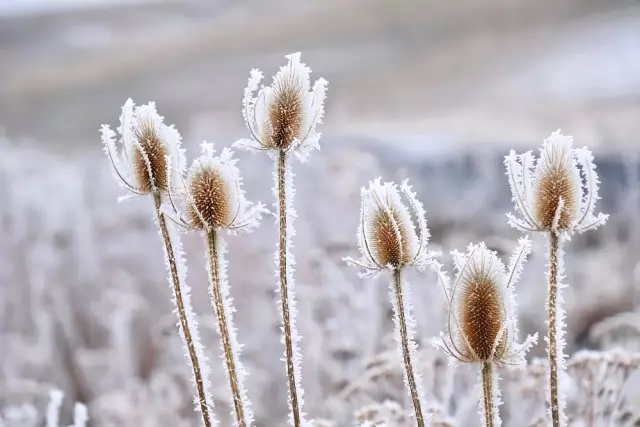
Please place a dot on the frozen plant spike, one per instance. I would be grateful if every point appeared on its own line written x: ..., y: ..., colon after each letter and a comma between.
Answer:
x: 555, y: 195
x: 390, y: 239
x: 148, y: 160
x: 215, y: 202
x: 282, y: 120
x: 482, y: 325
x: 284, y: 115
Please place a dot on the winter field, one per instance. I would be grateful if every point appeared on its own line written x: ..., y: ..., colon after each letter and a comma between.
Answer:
x: 436, y: 92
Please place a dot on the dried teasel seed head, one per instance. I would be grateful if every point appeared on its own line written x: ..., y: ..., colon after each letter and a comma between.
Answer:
x: 482, y: 324
x: 151, y: 158
x: 387, y: 236
x: 284, y: 115
x: 215, y: 199
x: 557, y: 192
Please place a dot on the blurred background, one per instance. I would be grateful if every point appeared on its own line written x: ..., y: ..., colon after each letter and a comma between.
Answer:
x: 437, y: 92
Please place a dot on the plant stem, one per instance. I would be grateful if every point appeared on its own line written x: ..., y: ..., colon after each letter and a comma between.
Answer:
x: 284, y: 292
x: 487, y: 392
x: 223, y: 327
x: 406, y: 353
x: 182, y: 315
x: 552, y: 327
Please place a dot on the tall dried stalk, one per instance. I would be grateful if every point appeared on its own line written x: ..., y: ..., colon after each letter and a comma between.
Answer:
x: 182, y: 315
x: 554, y: 243
x: 224, y: 323
x: 284, y: 290
x: 488, y: 393
x: 399, y: 308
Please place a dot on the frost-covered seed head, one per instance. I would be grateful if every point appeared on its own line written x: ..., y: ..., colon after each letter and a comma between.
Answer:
x: 387, y: 236
x: 215, y: 199
x: 151, y: 157
x: 482, y: 324
x: 556, y: 192
x: 284, y: 115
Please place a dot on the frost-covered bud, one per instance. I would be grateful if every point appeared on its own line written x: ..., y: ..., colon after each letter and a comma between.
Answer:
x: 387, y: 235
x: 558, y: 192
x: 482, y: 324
x: 151, y: 157
x: 283, y: 116
x: 214, y: 198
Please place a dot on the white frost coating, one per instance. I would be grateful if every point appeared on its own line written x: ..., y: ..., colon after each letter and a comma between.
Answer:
x: 132, y: 120
x: 80, y: 415
x: 291, y: 215
x: 561, y: 316
x: 53, y: 408
x: 192, y: 320
x: 413, y: 347
x: 255, y: 109
x: 385, y: 199
x: 236, y: 348
x: 557, y: 153
x: 496, y: 399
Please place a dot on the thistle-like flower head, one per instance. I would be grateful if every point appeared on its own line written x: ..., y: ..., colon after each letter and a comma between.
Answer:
x: 482, y: 324
x: 150, y: 156
x: 283, y: 116
x: 388, y: 238
x: 558, y: 191
x: 213, y: 195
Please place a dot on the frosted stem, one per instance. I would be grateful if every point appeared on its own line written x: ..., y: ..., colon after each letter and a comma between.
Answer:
x: 552, y: 328
x: 487, y: 393
x: 404, y: 342
x: 284, y: 296
x: 224, y: 324
x: 182, y: 315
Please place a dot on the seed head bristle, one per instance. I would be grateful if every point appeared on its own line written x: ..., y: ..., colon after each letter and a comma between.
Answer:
x: 212, y: 199
x: 285, y: 112
x: 149, y: 159
x: 389, y: 238
x: 557, y: 181
x: 482, y: 317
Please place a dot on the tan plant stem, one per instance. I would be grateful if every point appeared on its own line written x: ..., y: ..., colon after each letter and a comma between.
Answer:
x: 284, y: 295
x: 404, y: 339
x: 552, y: 328
x: 219, y: 308
x: 487, y: 392
x: 184, y: 323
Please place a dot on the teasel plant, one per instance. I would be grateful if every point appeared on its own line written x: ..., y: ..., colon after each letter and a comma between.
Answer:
x: 556, y: 195
x: 393, y: 236
x: 146, y: 160
x: 282, y: 120
x: 481, y: 323
x: 215, y: 203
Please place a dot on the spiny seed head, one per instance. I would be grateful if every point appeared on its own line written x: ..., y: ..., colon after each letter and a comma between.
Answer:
x: 388, y: 237
x: 215, y: 199
x: 556, y: 192
x: 482, y: 323
x: 151, y: 157
x: 283, y: 116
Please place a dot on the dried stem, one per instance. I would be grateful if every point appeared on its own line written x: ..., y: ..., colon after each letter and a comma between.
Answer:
x: 487, y: 392
x: 552, y: 328
x: 184, y: 323
x: 284, y: 291
x: 404, y: 340
x: 223, y: 327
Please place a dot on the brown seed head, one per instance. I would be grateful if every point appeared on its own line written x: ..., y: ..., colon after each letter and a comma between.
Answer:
x: 388, y: 238
x: 482, y: 318
x: 149, y: 163
x: 212, y: 202
x: 285, y: 112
